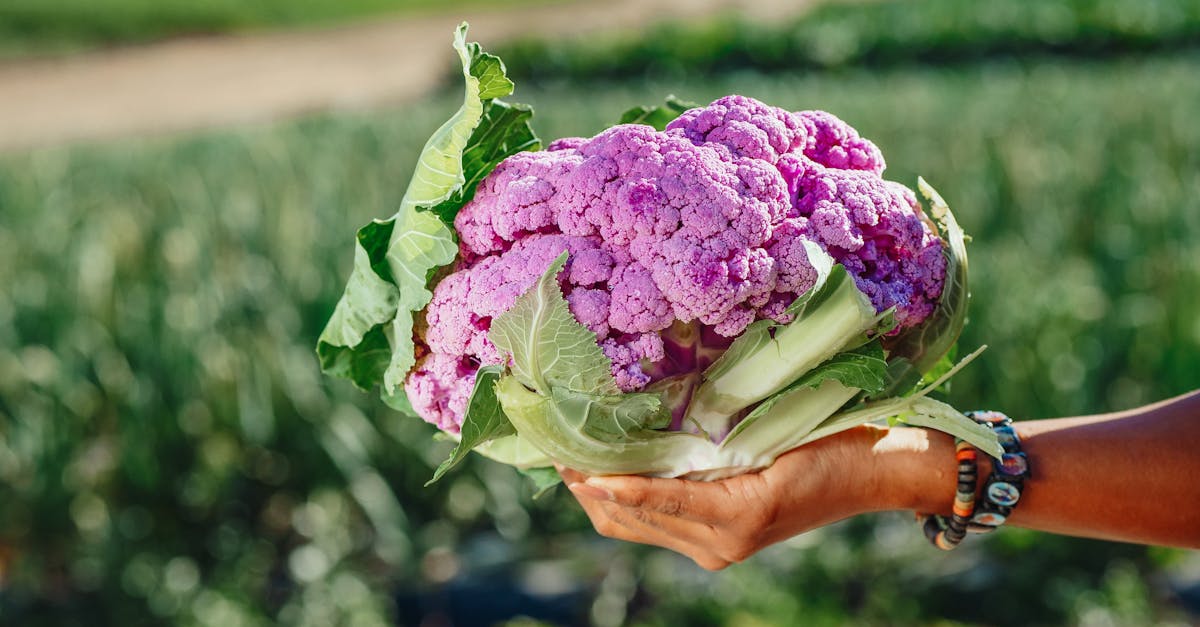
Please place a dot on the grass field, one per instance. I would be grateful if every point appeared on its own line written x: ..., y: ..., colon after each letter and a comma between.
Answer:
x: 159, y: 301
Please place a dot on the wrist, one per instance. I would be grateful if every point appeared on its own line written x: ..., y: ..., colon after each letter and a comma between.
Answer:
x: 914, y: 469
x: 893, y: 468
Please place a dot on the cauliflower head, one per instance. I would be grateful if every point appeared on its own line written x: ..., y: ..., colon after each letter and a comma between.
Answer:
x: 701, y: 224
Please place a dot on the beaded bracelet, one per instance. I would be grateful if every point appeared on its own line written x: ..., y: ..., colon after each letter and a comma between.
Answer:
x: 1000, y: 494
x: 946, y: 533
x: 1003, y: 489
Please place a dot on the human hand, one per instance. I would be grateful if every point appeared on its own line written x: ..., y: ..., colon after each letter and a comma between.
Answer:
x: 718, y: 523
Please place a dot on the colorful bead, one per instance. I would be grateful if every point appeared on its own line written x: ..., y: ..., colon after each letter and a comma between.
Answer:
x: 1013, y: 465
x: 1007, y: 436
x: 989, y: 519
x: 989, y: 417
x: 946, y: 533
x: 1003, y: 494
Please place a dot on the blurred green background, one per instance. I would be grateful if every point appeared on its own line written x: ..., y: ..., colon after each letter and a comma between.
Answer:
x: 170, y: 454
x: 58, y: 27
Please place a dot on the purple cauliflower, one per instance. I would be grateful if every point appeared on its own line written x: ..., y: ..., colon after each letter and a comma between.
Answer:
x: 701, y: 224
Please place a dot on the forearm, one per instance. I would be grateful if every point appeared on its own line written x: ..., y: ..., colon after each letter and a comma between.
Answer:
x: 1132, y: 476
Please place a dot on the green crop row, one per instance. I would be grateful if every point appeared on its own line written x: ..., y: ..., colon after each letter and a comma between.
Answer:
x: 875, y: 34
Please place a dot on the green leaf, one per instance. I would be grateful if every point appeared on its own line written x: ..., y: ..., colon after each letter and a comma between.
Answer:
x: 420, y: 244
x: 615, y: 418
x: 543, y: 480
x: 863, y: 368
x: 368, y: 339
x: 353, y: 344
x: 549, y: 348
x: 560, y: 432
x: 484, y: 420
x: 487, y: 68
x: 918, y: 411
x: 927, y: 412
x: 658, y: 116
x: 503, y: 131
x: 919, y: 349
x: 561, y: 397
x: 363, y: 364
x: 369, y: 300
x: 439, y: 169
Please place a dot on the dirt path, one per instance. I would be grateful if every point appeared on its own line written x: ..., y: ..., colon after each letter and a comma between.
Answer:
x: 198, y: 83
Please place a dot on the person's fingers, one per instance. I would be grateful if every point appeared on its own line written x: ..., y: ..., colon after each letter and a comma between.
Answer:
x: 711, y: 546
x: 714, y: 523
x: 613, y: 521
x: 569, y: 475
x: 679, y: 498
x: 673, y: 497
x: 577, y: 483
x: 711, y: 502
x: 693, y: 539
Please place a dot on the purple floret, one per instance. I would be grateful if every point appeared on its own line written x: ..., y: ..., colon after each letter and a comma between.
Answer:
x: 874, y: 228
x: 745, y: 127
x: 438, y: 388
x: 834, y: 144
x: 703, y: 223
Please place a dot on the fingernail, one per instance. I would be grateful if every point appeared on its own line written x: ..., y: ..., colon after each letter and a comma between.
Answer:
x: 590, y: 492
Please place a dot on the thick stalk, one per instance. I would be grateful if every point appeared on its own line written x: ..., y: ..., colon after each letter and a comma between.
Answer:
x: 824, y: 329
x: 787, y: 423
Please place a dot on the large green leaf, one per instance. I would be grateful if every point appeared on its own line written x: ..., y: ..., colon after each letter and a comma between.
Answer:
x: 486, y: 68
x: 353, y: 345
x: 363, y: 363
x: 919, y: 349
x: 561, y: 397
x: 548, y: 347
x: 612, y: 418
x: 439, y: 169
x: 484, y: 419
x: 421, y: 243
x: 503, y: 131
x: 558, y: 425
x: 369, y: 337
